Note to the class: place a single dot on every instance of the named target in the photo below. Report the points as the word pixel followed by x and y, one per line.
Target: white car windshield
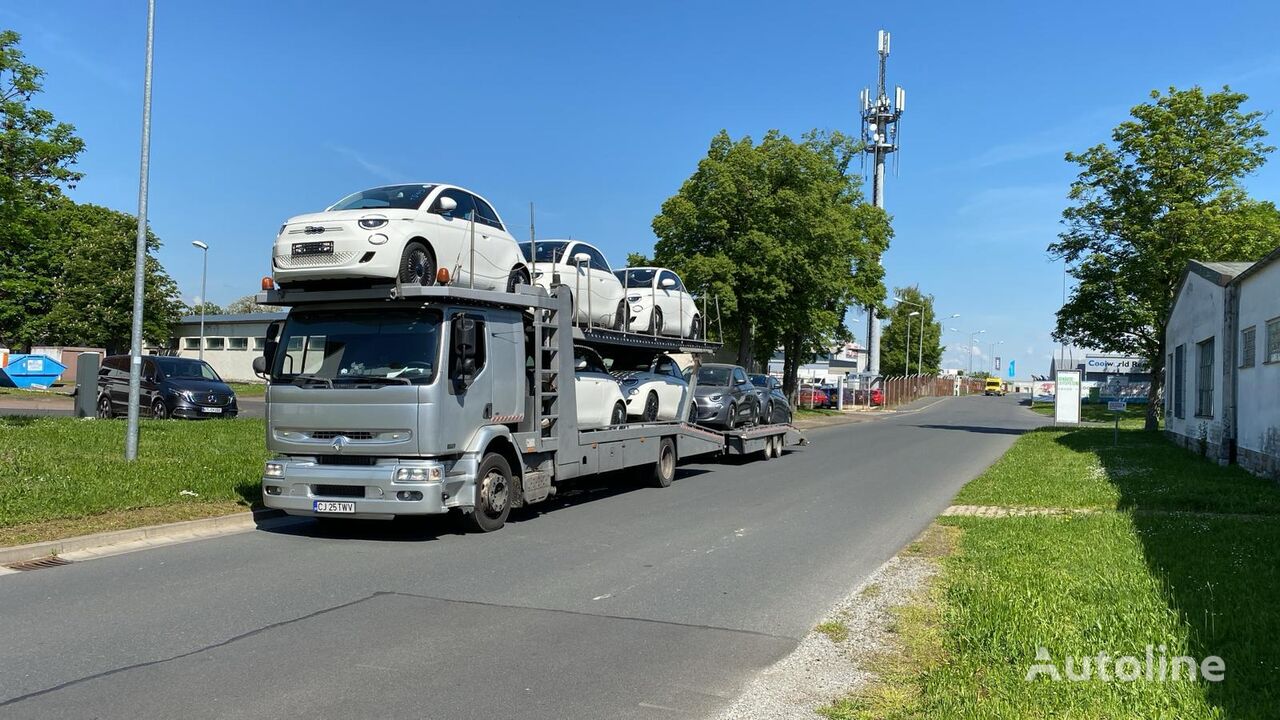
pixel 633 278
pixel 718 376
pixel 398 197
pixel 548 252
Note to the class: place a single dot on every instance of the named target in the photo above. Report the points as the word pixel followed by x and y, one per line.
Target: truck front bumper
pixel 370 491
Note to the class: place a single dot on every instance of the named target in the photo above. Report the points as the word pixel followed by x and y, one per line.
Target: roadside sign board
pixel 1117 405
pixel 1066 405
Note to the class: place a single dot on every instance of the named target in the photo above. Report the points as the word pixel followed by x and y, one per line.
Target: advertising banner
pixel 1042 391
pixel 1066 405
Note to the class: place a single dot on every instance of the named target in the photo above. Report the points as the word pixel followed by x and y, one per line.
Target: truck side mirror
pixel 464 351
pixel 270 344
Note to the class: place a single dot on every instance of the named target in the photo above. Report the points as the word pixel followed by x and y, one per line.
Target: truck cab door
pixel 467 401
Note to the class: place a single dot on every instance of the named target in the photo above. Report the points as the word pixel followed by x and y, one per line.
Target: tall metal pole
pixel 880 116
pixel 533 251
pixel 204 301
pixel 140 252
pixel 920 352
pixel 906 369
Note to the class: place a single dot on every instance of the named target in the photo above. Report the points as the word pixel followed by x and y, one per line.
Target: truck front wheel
pixel 494 492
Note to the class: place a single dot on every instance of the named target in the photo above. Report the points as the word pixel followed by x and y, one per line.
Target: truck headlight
pixel 273 470
pixel 419 474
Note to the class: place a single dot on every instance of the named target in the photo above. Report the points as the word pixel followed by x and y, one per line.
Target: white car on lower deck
pixel 579 266
pixel 659 303
pixel 599 398
pixel 656 392
pixel 407 232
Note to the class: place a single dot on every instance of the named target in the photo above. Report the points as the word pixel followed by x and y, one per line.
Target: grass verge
pixel 1094 412
pixel 1178 553
pixel 61 477
pixel 817 412
pixel 248 389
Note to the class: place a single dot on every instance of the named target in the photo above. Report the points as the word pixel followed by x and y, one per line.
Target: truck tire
pixel 664 471
pixel 494 492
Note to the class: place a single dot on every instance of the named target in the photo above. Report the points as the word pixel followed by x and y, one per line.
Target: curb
pixel 151 534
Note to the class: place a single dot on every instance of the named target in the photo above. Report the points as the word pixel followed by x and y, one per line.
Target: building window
pixel 237 343
pixel 191 343
pixel 1168 387
pixel 1179 359
pixel 1248 349
pixel 1273 340
pixel 1204 378
pixel 259 343
pixel 214 343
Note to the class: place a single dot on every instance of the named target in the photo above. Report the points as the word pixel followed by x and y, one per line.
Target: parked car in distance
pixel 598 295
pixel 658 303
pixel 725 397
pixel 406 232
pixel 656 392
pixel 170 387
pixel 812 396
pixel 877 397
pixel 600 403
pixel 772 399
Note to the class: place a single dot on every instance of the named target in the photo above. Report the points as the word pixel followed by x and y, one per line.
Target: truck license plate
pixel 327 506
pixel 313 248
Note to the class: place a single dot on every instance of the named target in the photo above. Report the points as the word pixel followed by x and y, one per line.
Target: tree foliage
pixel 778 232
pixel 1166 190
pixel 894 352
pixel 247 304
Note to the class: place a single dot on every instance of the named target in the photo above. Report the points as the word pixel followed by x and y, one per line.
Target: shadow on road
pixel 983 429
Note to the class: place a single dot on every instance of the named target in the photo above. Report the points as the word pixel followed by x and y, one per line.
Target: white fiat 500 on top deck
pixel 598 295
pixel 409 232
pixel 659 303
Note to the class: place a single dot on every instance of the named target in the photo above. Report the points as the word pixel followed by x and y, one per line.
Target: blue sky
pixel 598 113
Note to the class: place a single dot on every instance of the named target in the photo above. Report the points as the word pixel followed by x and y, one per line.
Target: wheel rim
pixel 657 320
pixel 620 318
pixel 733 415
pixel 667 462
pixel 768 413
pixel 104 408
pixel 651 407
pixel 493 493
pixel 159 410
pixel 619 414
pixel 696 329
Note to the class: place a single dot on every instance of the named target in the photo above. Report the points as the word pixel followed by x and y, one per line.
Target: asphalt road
pixel 617 603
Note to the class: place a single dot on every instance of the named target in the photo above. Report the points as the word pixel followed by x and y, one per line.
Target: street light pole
pixel 972 335
pixel 906 355
pixel 140 252
pixel 204 271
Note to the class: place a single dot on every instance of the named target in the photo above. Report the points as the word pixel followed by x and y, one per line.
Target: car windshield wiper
pixel 304 380
pixel 370 379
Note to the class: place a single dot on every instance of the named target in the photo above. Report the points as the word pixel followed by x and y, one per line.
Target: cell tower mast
pixel 880 136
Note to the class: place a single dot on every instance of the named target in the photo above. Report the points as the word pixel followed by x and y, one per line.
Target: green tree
pixel 246 304
pixel 777 231
pixel 37 155
pixel 1166 190
pixel 635 259
pixel 894 353
pixel 92 290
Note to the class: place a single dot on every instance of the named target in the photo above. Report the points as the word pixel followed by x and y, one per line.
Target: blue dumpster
pixel 31 371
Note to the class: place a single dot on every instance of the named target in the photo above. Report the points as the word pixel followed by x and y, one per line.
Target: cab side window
pixel 486 215
pixel 466 204
pixel 482 353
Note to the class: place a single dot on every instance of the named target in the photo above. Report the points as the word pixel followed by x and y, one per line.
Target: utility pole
pixel 880 136
pixel 140 252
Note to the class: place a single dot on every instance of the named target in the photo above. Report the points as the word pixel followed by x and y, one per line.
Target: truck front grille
pixel 348 491
pixel 348 434
pixel 346 460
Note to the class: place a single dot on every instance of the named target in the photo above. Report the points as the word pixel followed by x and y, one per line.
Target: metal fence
pixel 902 389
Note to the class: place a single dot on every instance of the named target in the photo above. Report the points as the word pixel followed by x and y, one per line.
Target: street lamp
pixel 204 271
pixel 972 335
pixel 907 354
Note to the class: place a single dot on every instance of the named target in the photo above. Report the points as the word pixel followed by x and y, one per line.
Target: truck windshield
pixel 359 346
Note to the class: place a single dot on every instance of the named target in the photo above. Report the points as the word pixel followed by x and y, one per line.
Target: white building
pixel 1222 370
pixel 231 342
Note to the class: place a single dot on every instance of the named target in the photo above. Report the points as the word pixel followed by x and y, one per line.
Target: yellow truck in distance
pixel 993 387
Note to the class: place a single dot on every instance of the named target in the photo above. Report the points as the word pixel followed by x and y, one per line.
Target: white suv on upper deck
pixel 401 231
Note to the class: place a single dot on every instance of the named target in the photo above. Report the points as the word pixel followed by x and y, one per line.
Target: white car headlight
pixel 637 308
pixel 372 223
pixel 377 238
pixel 633 298
pixel 634 391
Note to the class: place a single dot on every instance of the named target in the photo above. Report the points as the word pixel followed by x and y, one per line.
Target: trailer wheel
pixel 778 442
pixel 664 471
pixel 494 492
pixel 767 452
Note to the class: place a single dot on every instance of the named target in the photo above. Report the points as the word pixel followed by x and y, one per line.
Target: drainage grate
pixel 38 563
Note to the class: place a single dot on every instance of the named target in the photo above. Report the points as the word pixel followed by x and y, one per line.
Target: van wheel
pixel 664 471
pixel 651 407
pixel 518 276
pixel 493 494
pixel 417 267
pixel 159 410
pixel 105 411
pixel 619 415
